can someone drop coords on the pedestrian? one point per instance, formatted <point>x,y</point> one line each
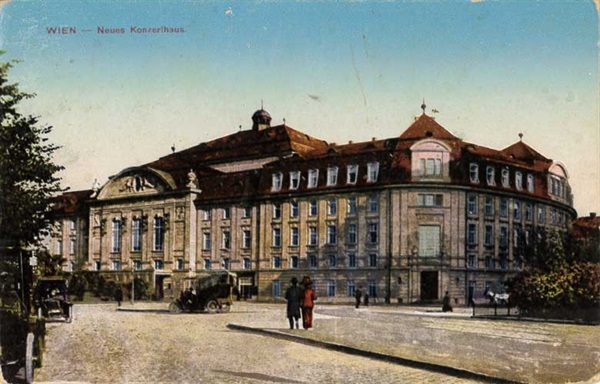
<point>293,295</point>
<point>446,307</point>
<point>366,299</point>
<point>119,295</point>
<point>308,303</point>
<point>357,296</point>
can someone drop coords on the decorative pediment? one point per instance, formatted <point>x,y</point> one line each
<point>137,182</point>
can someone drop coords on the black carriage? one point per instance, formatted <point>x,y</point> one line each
<point>210,292</point>
<point>51,299</point>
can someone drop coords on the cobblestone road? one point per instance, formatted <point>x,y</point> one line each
<point>103,345</point>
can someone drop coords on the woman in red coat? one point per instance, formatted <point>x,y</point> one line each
<point>308,303</point>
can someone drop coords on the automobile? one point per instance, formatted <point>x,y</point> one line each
<point>210,292</point>
<point>51,299</point>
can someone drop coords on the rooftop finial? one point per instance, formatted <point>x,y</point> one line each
<point>261,104</point>
<point>284,121</point>
<point>173,148</point>
<point>520,137</point>
<point>423,106</point>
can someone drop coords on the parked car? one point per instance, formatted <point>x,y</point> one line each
<point>51,299</point>
<point>211,292</point>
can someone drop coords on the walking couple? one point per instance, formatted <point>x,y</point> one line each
<point>300,299</point>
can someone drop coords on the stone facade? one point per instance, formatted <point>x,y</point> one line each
<point>405,218</point>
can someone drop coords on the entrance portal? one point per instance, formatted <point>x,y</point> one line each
<point>429,285</point>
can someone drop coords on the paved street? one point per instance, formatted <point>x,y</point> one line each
<point>146,344</point>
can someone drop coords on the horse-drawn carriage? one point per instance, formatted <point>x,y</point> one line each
<point>210,292</point>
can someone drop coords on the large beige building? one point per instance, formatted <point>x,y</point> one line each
<point>407,218</point>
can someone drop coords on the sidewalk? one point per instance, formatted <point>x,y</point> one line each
<point>451,343</point>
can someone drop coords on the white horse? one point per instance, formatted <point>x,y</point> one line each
<point>498,298</point>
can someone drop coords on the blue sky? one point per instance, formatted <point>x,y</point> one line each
<point>336,70</point>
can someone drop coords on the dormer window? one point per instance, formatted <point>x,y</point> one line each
<point>519,180</point>
<point>277,180</point>
<point>352,174</point>
<point>332,173</point>
<point>505,178</point>
<point>372,172</point>
<point>431,167</point>
<point>530,185</point>
<point>490,174</point>
<point>313,178</point>
<point>294,180</point>
<point>474,172</point>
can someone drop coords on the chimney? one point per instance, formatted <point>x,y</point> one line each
<point>373,138</point>
<point>592,214</point>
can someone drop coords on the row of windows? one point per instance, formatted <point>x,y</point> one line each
<point>72,247</point>
<point>492,263</point>
<point>519,210</point>
<point>136,234</point>
<point>352,172</point>
<point>331,288</point>
<point>313,237</point>
<point>116,265</point>
<point>490,177</point>
<point>557,187</point>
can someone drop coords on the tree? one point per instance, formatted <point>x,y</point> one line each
<point>28,175</point>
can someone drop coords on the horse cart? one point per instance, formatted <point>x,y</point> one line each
<point>211,292</point>
<point>21,337</point>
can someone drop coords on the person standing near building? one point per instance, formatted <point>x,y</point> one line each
<point>293,296</point>
<point>119,295</point>
<point>446,306</point>
<point>358,296</point>
<point>308,302</point>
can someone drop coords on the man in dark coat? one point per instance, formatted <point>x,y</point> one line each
<point>119,295</point>
<point>293,295</point>
<point>446,306</point>
<point>358,295</point>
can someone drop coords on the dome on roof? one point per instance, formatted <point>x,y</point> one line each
<point>261,119</point>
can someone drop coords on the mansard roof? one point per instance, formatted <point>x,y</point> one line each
<point>524,152</point>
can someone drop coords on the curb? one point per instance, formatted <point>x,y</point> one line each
<point>456,372</point>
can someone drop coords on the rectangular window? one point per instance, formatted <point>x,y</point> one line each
<point>159,265</point>
<point>489,235</point>
<point>430,200</point>
<point>529,212</point>
<point>247,263</point>
<point>312,261</point>
<point>332,206</point>
<point>351,260</point>
<point>350,288</point>
<point>373,260</point>
<point>225,263</point>
<point>332,173</point>
<point>247,212</point>
<point>72,226</point>
<point>116,236</point>
<point>517,210</point>
<point>159,233</point>
<point>489,262</point>
<point>372,233</point>
<point>136,235</point>
<point>276,237</point>
<point>276,211</point>
<point>472,204</point>
<point>372,172</point>
<point>474,173</point>
<point>331,288</point>
<point>503,237</point>
<point>246,239</point>
<point>490,175</point>
<point>313,238</point>
<point>332,261</point>
<point>472,261</point>
<point>331,234</point>
<point>116,265</point>
<point>530,184</point>
<point>313,178</point>
<point>276,288</point>
<point>373,203</point>
<point>207,265</point>
<point>429,240</point>
<point>352,205</point>
<point>504,207</point>
<point>206,243</point>
<point>206,214</point>
<point>489,206</point>
<point>294,209</point>
<point>294,180</point>
<point>472,234</point>
<point>352,233</point>
<point>277,262</point>
<point>226,213</point>
<point>352,176</point>
<point>72,246</point>
<point>294,237</point>
<point>97,265</point>
<point>226,240</point>
<point>312,208</point>
<point>540,215</point>
<point>519,180</point>
<point>505,178</point>
<point>516,237</point>
<point>294,262</point>
<point>179,264</point>
<point>552,216</point>
<point>277,181</point>
<point>137,265</point>
<point>503,262</point>
<point>372,288</point>
<point>431,167</point>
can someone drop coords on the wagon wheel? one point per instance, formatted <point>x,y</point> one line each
<point>226,307</point>
<point>212,306</point>
<point>29,358</point>
<point>38,352</point>
<point>174,308</point>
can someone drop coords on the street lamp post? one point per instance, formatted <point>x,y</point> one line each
<point>132,282</point>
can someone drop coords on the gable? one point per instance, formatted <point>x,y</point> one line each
<point>136,182</point>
